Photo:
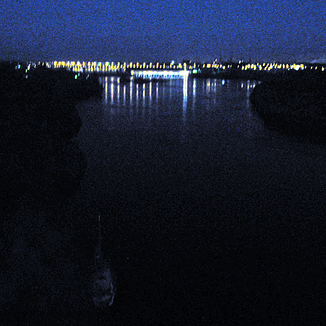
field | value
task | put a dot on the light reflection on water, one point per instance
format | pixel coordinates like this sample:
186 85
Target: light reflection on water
185 100
217 159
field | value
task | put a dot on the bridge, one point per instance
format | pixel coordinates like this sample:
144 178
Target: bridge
160 74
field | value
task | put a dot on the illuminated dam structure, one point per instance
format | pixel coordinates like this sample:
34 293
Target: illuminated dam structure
160 74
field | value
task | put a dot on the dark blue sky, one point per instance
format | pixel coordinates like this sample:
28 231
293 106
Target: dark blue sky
144 30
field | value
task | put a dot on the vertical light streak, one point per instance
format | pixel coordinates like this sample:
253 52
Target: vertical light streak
150 93
112 93
185 99
144 96
118 95
124 94
137 97
150 100
130 93
208 86
248 88
156 100
106 90
194 97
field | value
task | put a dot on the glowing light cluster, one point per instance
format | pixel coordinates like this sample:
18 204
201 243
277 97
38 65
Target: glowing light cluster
93 66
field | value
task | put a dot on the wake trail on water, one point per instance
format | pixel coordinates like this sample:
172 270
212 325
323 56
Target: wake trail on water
104 288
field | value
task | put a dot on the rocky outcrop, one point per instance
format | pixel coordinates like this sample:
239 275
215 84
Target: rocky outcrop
39 122
295 106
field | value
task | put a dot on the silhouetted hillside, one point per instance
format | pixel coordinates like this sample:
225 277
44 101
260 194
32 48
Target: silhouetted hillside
295 106
39 121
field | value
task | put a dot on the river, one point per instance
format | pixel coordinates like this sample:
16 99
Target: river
207 216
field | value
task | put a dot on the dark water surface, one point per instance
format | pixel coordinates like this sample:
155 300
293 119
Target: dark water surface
207 217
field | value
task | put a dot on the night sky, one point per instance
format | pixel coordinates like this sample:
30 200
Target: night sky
157 30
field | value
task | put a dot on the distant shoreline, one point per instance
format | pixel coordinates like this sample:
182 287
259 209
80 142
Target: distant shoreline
234 75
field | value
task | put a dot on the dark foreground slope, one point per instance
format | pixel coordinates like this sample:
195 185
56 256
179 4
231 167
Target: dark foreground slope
39 122
294 106
46 271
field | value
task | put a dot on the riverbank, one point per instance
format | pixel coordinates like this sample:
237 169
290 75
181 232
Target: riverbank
257 75
39 156
42 168
295 106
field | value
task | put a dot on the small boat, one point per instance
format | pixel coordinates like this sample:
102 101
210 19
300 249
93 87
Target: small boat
103 280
